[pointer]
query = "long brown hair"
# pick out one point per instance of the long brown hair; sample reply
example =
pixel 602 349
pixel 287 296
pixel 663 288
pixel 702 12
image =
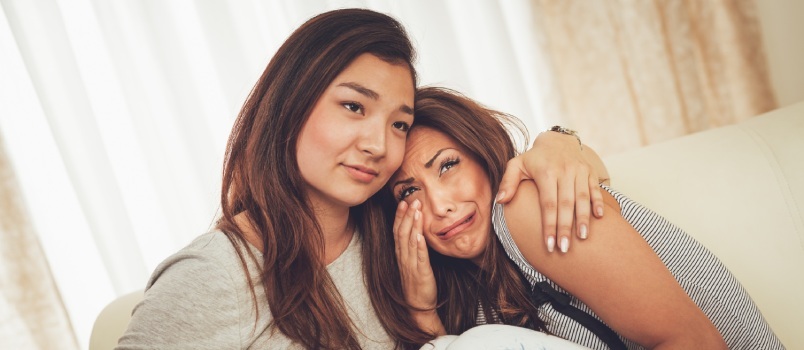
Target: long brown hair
pixel 261 177
pixel 498 287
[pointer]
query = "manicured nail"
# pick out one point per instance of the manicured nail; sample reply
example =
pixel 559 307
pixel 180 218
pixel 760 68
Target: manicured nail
pixel 564 244
pixel 416 204
pixel 599 211
pixel 583 231
pixel 417 214
pixel 418 238
pixel 551 243
pixel 499 196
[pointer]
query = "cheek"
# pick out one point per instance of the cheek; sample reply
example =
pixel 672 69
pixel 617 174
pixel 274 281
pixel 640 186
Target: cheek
pixel 395 152
pixel 317 139
pixel 435 244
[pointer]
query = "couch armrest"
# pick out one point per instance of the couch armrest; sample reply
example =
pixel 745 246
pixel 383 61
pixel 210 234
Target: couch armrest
pixel 739 190
pixel 113 320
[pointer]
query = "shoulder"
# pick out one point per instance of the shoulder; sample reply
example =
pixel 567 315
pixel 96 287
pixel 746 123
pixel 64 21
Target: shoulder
pixel 209 255
pixel 200 289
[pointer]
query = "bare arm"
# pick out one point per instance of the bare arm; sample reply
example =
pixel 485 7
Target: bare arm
pixel 617 274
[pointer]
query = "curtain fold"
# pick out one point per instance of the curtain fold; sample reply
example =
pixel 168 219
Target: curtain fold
pixel 31 310
pixel 631 73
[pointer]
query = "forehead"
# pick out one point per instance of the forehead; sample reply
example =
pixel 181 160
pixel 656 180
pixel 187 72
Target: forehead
pixel 379 75
pixel 424 142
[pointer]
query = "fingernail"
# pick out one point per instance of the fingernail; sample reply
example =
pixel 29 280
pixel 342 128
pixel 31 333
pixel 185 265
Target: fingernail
pixel 599 211
pixel 551 243
pixel 583 231
pixel 499 196
pixel 403 205
pixel 418 238
pixel 417 214
pixel 564 244
pixel 415 204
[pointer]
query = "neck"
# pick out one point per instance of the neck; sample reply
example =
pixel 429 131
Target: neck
pixel 337 228
pixel 478 261
pixel 335 224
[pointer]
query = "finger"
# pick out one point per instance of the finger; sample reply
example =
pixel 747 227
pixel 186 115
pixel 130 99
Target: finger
pixel 548 198
pixel 400 213
pixel 583 206
pixel 421 245
pixel 566 212
pixel 510 180
pixel 423 255
pixel 414 237
pixel 597 195
pixel 403 232
pixel 398 219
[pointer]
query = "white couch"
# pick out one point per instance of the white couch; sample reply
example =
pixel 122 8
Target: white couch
pixel 738 189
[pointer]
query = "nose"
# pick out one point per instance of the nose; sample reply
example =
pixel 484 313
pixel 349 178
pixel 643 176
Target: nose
pixel 373 138
pixel 440 201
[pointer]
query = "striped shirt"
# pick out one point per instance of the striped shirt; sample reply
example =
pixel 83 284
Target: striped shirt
pixel 708 283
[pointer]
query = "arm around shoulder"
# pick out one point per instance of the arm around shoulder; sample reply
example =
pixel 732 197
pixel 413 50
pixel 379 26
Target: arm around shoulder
pixel 616 274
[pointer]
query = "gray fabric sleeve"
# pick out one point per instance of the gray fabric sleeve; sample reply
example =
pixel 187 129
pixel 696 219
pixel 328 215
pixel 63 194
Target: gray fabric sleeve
pixel 191 303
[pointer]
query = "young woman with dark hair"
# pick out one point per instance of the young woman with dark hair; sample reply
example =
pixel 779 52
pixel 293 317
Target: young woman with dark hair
pixel 292 262
pixel 638 282
pixel 287 266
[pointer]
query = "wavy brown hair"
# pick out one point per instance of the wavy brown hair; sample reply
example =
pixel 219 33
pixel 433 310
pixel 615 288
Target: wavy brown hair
pixel 498 288
pixel 261 178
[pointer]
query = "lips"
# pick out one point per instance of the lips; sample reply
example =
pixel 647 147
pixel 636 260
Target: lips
pixel 460 225
pixel 361 173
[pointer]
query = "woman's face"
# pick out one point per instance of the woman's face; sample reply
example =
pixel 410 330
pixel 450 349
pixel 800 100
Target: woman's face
pixel 354 139
pixel 454 191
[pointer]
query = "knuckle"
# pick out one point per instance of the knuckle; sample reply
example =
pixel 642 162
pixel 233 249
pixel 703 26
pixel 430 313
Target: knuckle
pixel 564 230
pixel 582 194
pixel 566 202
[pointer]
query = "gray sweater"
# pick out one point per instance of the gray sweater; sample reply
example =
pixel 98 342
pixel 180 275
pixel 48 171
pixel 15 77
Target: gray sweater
pixel 199 298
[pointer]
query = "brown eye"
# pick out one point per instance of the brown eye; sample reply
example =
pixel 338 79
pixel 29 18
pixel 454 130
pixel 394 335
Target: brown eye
pixel 354 107
pixel 448 164
pixel 405 192
pixel 402 126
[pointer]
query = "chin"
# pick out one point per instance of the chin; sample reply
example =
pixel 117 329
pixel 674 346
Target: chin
pixel 354 201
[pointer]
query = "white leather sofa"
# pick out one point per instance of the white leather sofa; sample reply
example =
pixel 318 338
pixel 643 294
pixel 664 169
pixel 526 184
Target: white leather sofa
pixel 738 189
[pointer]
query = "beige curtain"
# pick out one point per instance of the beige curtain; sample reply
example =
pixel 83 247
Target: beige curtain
pixel 634 72
pixel 32 315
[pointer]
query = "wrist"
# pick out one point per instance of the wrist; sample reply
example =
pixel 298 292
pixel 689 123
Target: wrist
pixel 428 321
pixel 567 131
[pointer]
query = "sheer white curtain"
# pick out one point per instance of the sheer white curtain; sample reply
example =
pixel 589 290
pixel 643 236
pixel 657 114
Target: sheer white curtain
pixel 115 113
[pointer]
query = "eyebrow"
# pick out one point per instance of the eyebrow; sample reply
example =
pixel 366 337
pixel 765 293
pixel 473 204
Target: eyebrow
pixel 361 90
pixel 373 95
pixel 405 181
pixel 430 163
pixel 426 165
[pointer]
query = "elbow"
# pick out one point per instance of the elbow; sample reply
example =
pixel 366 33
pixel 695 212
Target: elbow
pixel 709 339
